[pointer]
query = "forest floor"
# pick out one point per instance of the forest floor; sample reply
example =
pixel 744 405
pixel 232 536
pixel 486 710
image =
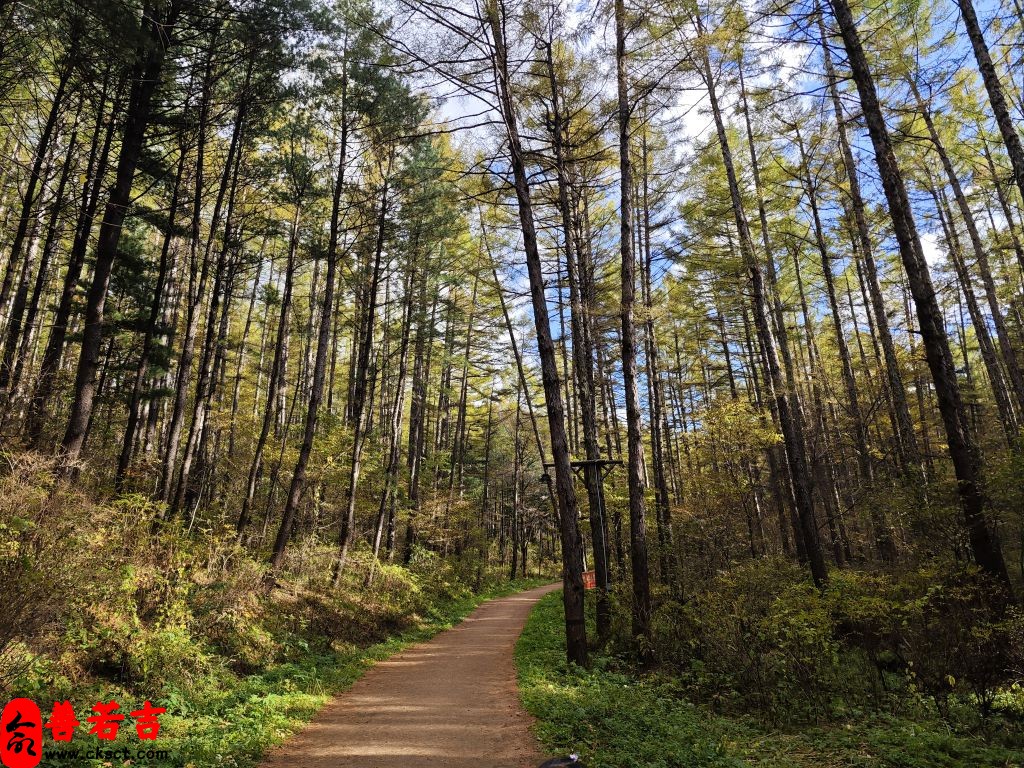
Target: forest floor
pixel 616 718
pixel 451 701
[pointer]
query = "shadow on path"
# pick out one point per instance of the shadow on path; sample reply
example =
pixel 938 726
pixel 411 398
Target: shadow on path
pixel 448 702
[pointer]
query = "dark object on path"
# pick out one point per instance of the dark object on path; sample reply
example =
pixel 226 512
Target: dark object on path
pixel 563 762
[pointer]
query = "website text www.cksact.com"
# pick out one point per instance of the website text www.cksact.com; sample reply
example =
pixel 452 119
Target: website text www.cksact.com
pixel 101 753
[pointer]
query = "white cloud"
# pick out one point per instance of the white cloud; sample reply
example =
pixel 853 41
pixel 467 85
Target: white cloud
pixel 933 253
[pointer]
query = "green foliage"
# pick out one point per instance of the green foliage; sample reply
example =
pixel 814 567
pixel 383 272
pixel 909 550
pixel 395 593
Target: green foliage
pixel 607 717
pixel 935 640
pixel 614 717
pixel 102 608
pixel 770 645
pixel 948 632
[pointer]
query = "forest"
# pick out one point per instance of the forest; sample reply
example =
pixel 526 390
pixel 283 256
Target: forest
pixel 322 321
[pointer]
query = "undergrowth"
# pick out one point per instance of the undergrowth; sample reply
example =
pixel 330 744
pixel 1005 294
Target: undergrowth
pixel 103 607
pixel 616 717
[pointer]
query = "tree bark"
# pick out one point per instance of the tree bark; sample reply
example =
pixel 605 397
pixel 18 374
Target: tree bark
pixel 962 449
pixel 641 603
pixel 159 33
pixel 792 432
pixel 906 442
pixel 572 550
pixel 276 373
pixel 1000 109
pixel 1009 355
pixel 323 343
pixel 583 357
pixel 363 373
pixel 95 174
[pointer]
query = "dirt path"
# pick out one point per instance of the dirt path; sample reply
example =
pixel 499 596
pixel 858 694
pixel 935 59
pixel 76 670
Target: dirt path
pixel 449 702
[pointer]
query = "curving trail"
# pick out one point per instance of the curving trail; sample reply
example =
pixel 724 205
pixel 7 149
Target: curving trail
pixel 448 702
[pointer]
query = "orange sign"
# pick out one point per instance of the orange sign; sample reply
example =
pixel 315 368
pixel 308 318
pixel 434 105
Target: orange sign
pixel 589 580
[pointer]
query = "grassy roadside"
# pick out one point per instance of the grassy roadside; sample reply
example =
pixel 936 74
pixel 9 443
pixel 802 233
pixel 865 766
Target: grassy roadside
pixel 266 709
pixel 100 607
pixel 615 720
pixel 232 720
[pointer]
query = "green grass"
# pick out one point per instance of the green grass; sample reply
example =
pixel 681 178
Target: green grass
pixel 615 720
pixel 230 720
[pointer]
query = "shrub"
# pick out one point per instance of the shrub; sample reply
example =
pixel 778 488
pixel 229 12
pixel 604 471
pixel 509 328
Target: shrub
pixel 944 632
pixel 760 635
pixel 40 556
pixel 959 639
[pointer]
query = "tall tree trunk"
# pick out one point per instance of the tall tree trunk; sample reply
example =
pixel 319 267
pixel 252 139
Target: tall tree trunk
pixel 962 449
pixel 641 603
pixel 583 359
pixel 243 343
pixel 882 533
pixel 572 549
pixel 387 498
pixel 521 371
pixel 418 407
pixel 276 373
pixel 1004 409
pixel 95 175
pixel 159 34
pixel 363 373
pixel 656 397
pixel 35 179
pixel 149 337
pixel 213 338
pixel 198 278
pixel 1004 204
pixel 996 98
pixel 323 343
pixel 216 330
pixel 793 438
pixel 50 244
pixel 906 442
pixel 459 442
pixel 1009 355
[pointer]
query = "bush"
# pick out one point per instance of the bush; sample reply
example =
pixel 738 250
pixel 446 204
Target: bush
pixel 615 717
pixel 761 638
pixel 944 632
pixel 770 644
pixel 609 717
pixel 41 558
